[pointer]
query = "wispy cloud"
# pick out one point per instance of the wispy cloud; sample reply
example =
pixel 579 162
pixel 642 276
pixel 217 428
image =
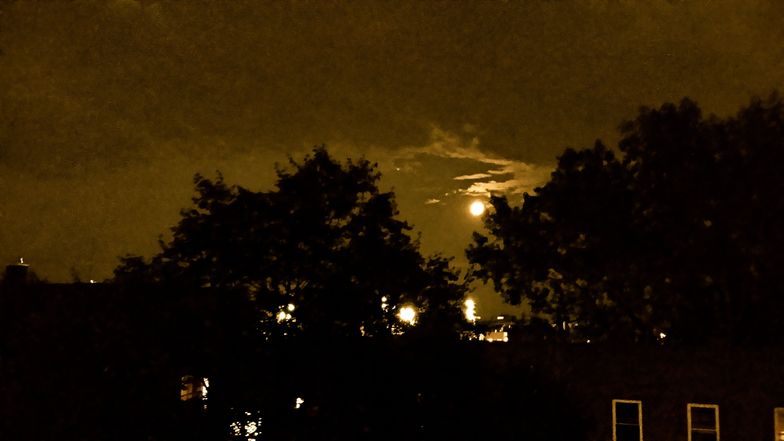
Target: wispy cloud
pixel 446 144
pixel 475 176
pixel 523 177
pixel 432 201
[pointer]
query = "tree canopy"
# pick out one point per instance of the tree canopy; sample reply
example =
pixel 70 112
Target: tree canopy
pixel 680 236
pixel 322 254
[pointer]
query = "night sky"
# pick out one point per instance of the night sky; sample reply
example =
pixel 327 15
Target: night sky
pixel 107 109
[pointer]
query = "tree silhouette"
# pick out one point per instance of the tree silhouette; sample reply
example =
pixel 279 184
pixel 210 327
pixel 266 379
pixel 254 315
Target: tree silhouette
pixel 680 236
pixel 318 255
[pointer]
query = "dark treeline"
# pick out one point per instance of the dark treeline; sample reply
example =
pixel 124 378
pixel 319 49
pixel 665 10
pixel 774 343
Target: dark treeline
pixel 102 361
pixel 681 235
pixel 295 292
pixel 322 255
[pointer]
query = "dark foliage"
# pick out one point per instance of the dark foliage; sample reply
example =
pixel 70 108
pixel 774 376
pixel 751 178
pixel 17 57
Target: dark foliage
pixel 325 241
pixel 681 234
pixel 96 361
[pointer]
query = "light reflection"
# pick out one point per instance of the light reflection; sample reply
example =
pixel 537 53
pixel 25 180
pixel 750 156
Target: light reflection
pixel 247 428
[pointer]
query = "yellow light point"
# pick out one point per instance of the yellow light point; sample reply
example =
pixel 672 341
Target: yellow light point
pixel 282 316
pixel 407 314
pixel 470 310
pixel 290 307
pixel 477 208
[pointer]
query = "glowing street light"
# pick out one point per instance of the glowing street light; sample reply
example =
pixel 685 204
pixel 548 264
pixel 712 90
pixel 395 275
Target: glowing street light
pixel 407 314
pixel 470 310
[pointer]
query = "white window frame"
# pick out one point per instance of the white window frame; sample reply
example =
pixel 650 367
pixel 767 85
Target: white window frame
pixel 614 420
pixel 778 429
pixel 715 408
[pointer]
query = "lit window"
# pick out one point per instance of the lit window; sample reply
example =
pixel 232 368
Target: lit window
pixel 193 388
pixel 778 423
pixel 703 422
pixel 627 420
pixel 186 390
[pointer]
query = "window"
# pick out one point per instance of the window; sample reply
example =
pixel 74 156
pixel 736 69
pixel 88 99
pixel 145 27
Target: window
pixel 193 388
pixel 627 420
pixel 703 422
pixel 778 424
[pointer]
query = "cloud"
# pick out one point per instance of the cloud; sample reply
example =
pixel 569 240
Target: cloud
pixel 446 145
pixel 472 177
pixel 432 201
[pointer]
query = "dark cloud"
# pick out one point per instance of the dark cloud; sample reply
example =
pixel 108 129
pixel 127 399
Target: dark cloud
pixel 108 107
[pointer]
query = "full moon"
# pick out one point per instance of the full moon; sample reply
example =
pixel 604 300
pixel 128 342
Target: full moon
pixel 477 208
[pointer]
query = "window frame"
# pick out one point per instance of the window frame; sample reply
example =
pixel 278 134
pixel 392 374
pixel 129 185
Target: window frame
pixel 614 416
pixel 717 426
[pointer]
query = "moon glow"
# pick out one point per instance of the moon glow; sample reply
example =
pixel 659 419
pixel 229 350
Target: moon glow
pixel 477 208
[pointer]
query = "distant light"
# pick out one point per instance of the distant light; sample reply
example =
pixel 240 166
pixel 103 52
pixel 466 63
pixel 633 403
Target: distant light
pixel 588 341
pixel 194 388
pixel 407 314
pixel 21 260
pixel 290 307
pixel 251 427
pixel 470 310
pixel 492 336
pixel 205 387
pixel 92 281
pixel 298 403
pixel 477 208
pixel 500 317
pixel 282 316
pixel 662 335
